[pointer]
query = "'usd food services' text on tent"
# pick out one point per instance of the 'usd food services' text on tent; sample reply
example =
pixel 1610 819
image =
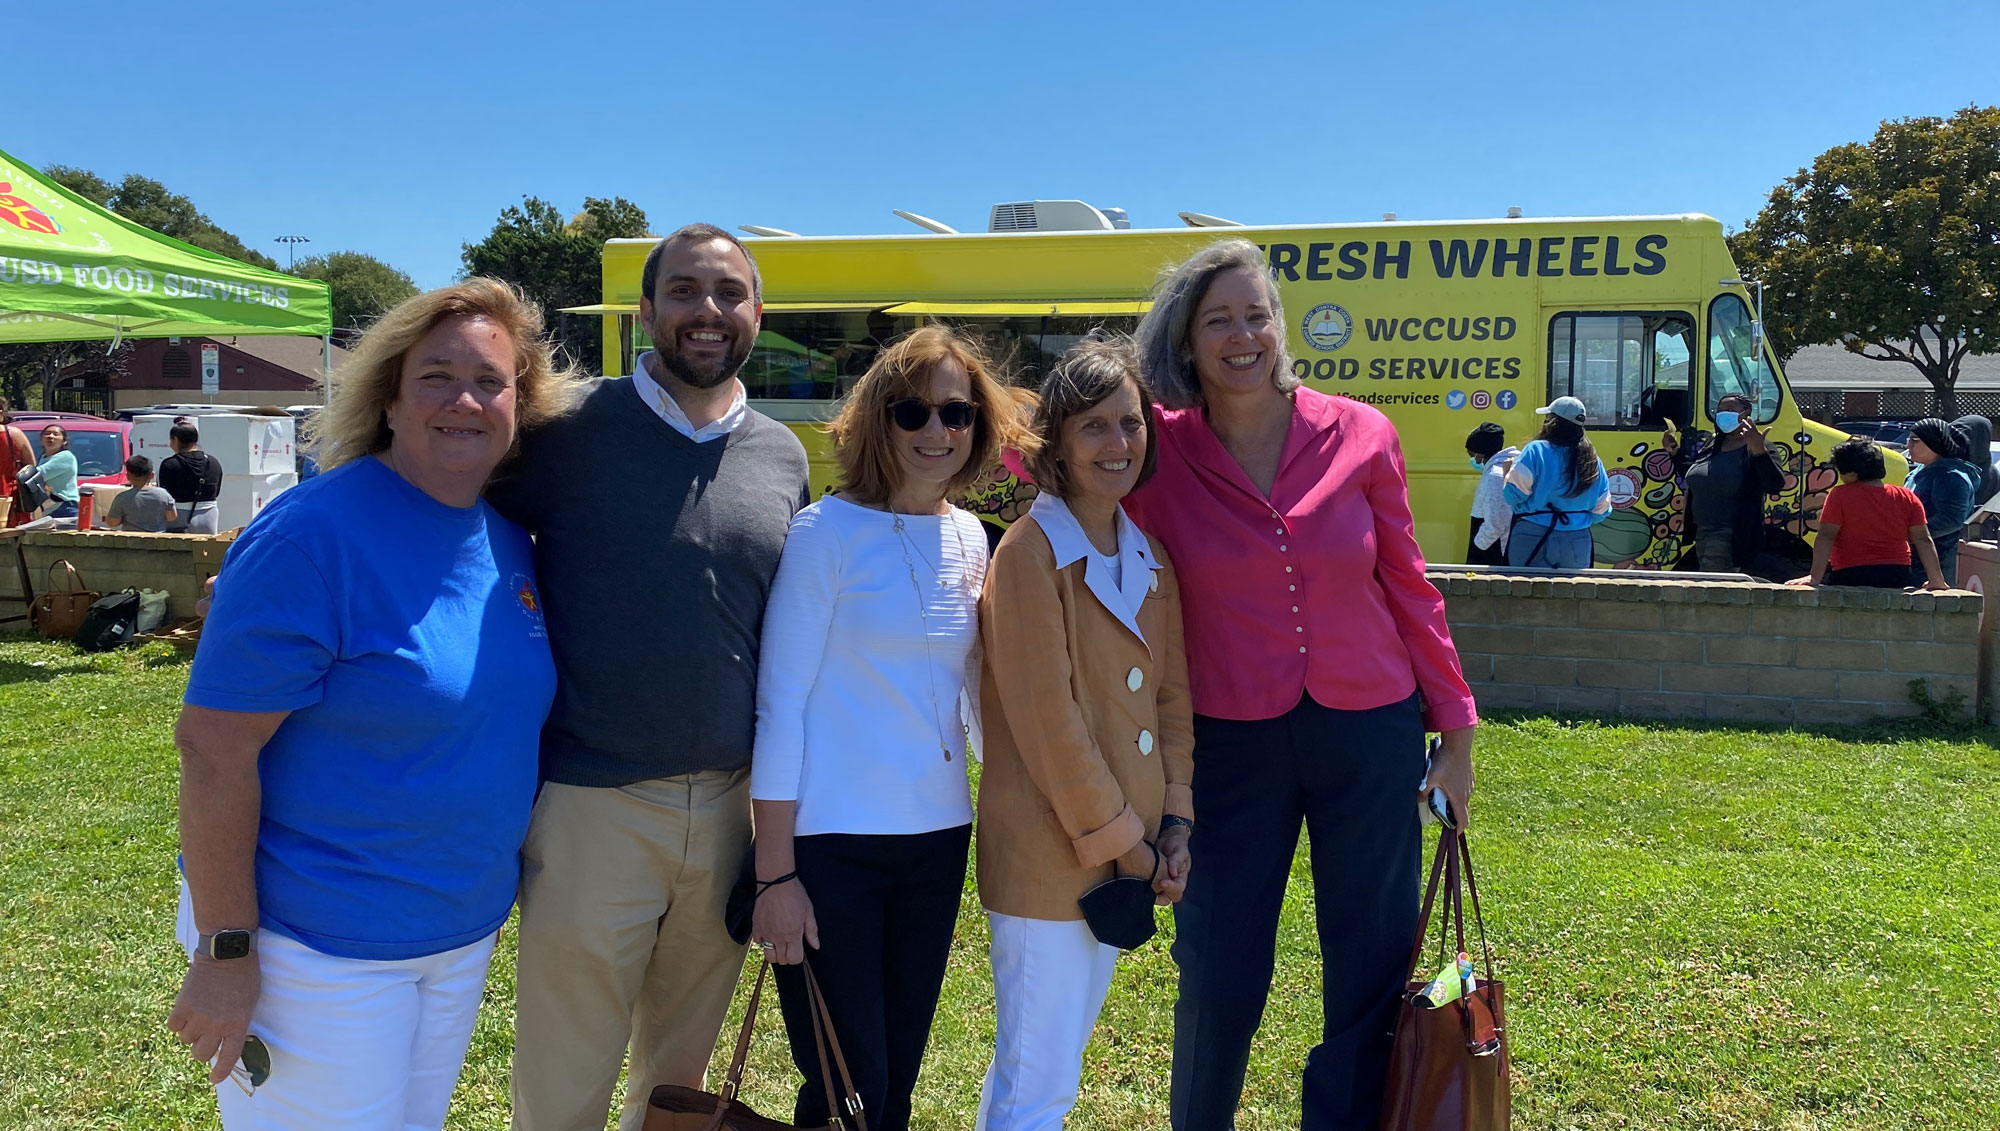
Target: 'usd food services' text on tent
pixel 70 270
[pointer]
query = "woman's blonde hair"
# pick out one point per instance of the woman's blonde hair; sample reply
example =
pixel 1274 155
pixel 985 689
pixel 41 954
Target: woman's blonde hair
pixel 861 430
pixel 357 422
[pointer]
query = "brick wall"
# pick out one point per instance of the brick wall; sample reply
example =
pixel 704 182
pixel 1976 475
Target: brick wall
pixel 108 561
pixel 1751 651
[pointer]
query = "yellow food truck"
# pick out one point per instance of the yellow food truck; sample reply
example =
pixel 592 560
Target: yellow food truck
pixel 1440 324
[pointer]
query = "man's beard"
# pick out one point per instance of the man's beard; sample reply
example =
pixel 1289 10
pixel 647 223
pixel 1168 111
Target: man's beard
pixel 667 348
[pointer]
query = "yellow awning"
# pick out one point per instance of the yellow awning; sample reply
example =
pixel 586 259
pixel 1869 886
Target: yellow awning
pixel 1056 308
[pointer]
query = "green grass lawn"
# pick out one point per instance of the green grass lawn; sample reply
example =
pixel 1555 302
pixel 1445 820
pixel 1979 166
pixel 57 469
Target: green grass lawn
pixel 1700 928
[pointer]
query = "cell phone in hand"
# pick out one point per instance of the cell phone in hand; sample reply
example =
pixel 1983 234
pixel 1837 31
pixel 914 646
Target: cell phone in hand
pixel 1434 807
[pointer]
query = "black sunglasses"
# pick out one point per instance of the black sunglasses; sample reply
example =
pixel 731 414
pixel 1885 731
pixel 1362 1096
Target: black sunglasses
pixel 911 414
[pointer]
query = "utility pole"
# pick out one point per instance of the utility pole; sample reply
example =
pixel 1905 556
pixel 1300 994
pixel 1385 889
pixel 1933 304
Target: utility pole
pixel 291 247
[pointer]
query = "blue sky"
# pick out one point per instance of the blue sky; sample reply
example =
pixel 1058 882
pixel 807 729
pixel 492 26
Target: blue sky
pixel 402 129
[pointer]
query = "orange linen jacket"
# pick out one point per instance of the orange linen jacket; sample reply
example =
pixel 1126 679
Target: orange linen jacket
pixel 1089 732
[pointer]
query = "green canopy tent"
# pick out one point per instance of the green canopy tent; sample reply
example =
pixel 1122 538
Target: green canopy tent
pixel 72 271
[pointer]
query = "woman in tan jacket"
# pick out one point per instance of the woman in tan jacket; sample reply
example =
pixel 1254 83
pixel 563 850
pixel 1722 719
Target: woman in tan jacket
pixel 1089 734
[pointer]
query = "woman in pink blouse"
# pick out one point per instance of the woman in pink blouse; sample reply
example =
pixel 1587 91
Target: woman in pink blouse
pixel 1318 656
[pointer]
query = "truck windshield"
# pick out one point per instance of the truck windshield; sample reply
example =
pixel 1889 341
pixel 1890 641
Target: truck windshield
pixel 1731 369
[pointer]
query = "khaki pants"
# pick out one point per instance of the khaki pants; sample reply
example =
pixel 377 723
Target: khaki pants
pixel 621 940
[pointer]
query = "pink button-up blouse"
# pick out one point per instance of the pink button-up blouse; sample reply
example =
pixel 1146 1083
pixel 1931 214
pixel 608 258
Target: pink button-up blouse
pixel 1320 587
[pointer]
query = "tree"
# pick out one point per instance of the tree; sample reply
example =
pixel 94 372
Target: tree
pixel 150 204
pixel 35 366
pixel 558 262
pixel 1891 248
pixel 362 285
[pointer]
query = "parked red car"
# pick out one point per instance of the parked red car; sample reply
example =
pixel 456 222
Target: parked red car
pixel 101 446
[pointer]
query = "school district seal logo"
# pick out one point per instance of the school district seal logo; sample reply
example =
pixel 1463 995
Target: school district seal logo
pixel 1327 327
pixel 530 602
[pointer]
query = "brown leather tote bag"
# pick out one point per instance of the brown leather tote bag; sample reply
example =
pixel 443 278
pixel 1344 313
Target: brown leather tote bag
pixel 1448 1071
pixel 674 1108
pixel 58 613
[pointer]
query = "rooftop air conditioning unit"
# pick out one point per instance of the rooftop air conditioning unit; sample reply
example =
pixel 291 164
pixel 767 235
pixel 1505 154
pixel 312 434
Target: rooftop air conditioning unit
pixel 1050 216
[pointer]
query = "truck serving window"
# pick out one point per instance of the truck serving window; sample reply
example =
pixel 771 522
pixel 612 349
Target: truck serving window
pixel 809 355
pixel 1631 370
pixel 1731 369
pixel 1025 348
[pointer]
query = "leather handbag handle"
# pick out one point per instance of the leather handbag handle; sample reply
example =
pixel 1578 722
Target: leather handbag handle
pixel 76 579
pixel 734 1079
pixel 1430 897
pixel 1478 917
pixel 823 1036
pixel 823 1021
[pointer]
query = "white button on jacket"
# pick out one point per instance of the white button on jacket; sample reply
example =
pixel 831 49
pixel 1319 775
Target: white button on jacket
pixel 1135 679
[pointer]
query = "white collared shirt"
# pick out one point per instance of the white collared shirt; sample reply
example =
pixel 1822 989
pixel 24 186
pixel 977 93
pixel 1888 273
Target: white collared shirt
pixel 669 409
pixel 1123 596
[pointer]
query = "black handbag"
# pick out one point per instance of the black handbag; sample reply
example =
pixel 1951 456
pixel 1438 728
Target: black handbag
pixel 33 488
pixel 1119 911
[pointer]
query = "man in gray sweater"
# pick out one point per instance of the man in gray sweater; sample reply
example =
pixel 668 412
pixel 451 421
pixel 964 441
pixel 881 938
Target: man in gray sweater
pixel 643 821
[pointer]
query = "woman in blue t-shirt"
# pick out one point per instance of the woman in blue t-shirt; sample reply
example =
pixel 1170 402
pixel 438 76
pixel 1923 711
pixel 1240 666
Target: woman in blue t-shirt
pixel 1558 491
pixel 359 741
pixel 58 466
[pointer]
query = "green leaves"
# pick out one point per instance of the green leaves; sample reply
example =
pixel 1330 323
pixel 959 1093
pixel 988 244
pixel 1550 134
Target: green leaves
pixel 363 286
pixel 558 262
pixel 1892 247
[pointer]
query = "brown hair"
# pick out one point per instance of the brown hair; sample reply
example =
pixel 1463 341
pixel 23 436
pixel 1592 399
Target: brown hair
pixel 357 423
pixel 861 429
pixel 1089 373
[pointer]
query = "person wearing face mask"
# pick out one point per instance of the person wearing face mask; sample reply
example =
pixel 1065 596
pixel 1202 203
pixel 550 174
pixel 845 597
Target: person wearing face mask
pixel 1492 518
pixel 1946 484
pixel 1318 655
pixel 1727 478
pixel 858 782
pixel 643 820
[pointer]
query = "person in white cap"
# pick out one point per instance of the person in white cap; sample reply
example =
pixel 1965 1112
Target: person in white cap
pixel 1558 491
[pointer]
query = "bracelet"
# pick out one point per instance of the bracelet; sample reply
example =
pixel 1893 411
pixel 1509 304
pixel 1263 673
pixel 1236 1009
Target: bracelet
pixel 1175 820
pixel 763 886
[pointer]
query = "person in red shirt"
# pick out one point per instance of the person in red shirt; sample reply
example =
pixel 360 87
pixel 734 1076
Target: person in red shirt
pixel 1318 655
pixel 15 457
pixel 1868 528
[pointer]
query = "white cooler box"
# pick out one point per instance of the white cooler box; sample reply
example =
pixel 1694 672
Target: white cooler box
pixel 246 445
pixel 244 496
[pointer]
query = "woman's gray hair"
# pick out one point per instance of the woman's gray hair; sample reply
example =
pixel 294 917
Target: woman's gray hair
pixel 1163 332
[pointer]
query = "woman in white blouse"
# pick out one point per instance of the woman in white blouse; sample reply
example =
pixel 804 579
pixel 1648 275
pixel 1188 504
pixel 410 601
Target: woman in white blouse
pixel 865 708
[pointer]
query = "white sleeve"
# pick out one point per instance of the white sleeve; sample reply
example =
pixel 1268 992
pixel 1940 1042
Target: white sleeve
pixel 798 618
pixel 968 699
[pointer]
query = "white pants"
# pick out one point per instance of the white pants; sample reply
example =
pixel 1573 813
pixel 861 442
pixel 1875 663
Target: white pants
pixel 1049 981
pixel 356 1044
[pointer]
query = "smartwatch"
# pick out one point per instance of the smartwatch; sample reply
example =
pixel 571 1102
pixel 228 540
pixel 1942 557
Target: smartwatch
pixel 225 945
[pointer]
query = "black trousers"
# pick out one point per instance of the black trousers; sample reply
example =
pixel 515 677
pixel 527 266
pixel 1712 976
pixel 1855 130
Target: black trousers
pixel 1876 576
pixel 1494 555
pixel 886 906
pixel 1352 777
